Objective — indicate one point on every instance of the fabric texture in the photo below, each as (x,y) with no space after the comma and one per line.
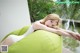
(40,41)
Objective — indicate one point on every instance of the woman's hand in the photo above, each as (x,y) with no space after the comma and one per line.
(78,36)
(75,35)
(71,34)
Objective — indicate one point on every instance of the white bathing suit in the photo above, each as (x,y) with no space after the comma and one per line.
(16,38)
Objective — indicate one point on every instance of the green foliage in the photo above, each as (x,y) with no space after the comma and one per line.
(69,10)
(70,43)
(40,8)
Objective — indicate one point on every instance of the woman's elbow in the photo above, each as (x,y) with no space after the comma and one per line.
(36,26)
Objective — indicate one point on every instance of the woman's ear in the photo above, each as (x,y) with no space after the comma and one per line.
(42,21)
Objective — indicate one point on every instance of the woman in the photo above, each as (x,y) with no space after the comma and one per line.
(51,23)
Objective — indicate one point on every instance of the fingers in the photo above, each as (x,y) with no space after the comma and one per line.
(78,36)
(75,36)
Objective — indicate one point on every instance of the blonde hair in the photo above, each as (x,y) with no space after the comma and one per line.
(52,17)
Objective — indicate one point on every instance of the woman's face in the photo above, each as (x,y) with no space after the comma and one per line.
(51,23)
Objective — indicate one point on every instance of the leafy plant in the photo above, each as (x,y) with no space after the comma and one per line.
(40,8)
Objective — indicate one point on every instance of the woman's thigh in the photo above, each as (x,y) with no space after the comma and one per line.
(8,41)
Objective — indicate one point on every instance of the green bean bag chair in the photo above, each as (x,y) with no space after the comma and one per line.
(40,41)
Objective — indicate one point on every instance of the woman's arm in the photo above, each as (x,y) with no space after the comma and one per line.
(72,34)
(37,25)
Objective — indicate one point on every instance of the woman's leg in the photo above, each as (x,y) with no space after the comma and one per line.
(8,41)
(11,39)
